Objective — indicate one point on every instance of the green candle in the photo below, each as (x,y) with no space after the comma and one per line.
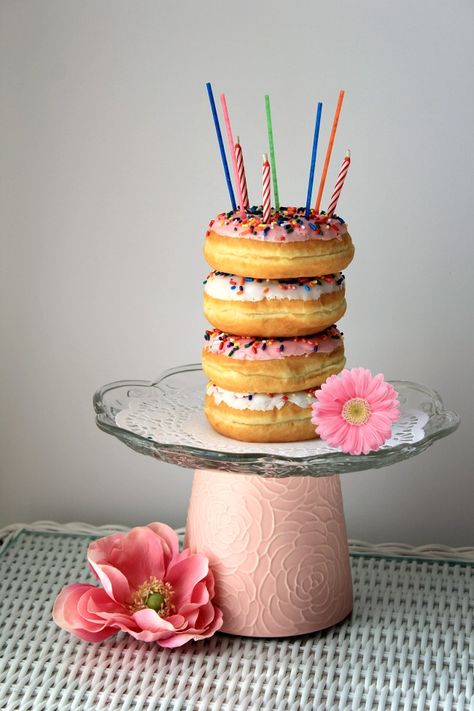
(272,152)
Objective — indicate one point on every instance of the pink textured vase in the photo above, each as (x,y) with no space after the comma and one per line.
(278,548)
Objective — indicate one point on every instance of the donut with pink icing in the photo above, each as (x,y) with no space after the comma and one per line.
(246,364)
(288,245)
(273,307)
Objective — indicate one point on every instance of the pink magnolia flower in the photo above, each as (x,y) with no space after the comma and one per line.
(355,411)
(150,590)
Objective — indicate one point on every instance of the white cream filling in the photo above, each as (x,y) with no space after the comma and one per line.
(219,286)
(259,401)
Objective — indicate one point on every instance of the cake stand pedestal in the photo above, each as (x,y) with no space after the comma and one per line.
(269,516)
(278,548)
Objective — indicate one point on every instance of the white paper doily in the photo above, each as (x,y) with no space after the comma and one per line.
(168,417)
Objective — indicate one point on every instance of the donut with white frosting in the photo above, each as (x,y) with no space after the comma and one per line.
(288,245)
(273,307)
(272,365)
(260,417)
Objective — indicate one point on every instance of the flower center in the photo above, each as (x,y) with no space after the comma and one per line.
(154,594)
(356,411)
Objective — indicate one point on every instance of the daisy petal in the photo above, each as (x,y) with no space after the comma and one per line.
(355,437)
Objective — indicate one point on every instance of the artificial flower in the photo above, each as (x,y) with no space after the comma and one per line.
(355,411)
(149,589)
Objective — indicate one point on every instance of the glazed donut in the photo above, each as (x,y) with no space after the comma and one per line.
(284,417)
(273,307)
(289,245)
(246,364)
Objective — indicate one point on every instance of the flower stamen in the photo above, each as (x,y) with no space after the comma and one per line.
(153,594)
(356,411)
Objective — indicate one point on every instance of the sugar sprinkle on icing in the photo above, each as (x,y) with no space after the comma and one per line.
(229,287)
(256,348)
(289,224)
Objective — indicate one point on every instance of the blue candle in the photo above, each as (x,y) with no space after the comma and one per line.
(313,158)
(221,145)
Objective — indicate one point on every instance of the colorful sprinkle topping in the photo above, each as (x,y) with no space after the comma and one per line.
(289,218)
(308,283)
(227,344)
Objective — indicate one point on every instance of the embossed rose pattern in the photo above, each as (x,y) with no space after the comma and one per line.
(278,548)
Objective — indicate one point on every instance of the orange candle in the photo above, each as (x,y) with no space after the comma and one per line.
(329,150)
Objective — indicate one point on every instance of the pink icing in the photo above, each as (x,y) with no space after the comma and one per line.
(248,348)
(294,227)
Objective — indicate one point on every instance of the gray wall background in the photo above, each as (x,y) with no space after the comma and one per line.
(110,173)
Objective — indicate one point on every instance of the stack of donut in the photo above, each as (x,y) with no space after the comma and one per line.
(278,283)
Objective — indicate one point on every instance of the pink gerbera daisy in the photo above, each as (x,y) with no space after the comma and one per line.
(355,411)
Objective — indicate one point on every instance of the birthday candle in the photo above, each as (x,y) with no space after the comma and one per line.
(271,146)
(266,188)
(339,183)
(241,172)
(221,145)
(230,139)
(329,149)
(313,159)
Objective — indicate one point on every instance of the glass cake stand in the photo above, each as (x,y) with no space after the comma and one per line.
(269,516)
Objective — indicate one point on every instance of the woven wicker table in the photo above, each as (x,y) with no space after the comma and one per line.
(409,643)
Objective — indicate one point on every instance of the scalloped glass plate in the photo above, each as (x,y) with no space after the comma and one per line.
(165,419)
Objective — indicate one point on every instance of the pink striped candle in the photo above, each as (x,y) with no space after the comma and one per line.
(230,138)
(241,172)
(339,183)
(266,188)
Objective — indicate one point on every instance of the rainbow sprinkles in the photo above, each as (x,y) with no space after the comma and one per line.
(288,224)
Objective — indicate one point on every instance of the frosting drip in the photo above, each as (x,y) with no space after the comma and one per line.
(287,225)
(260,401)
(228,287)
(249,348)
